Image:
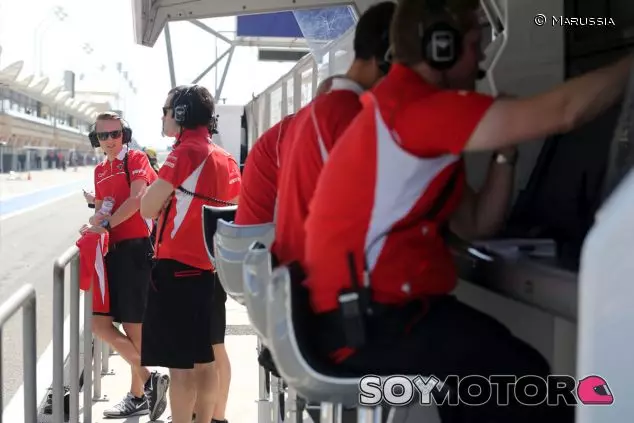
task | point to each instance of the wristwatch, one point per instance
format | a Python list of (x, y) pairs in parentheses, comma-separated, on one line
[(501, 158)]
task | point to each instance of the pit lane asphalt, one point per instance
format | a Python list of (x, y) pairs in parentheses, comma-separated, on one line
[(30, 243)]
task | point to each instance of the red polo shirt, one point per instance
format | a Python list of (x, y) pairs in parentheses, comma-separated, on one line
[(387, 170), (111, 181), (306, 147), (202, 167), (259, 178)]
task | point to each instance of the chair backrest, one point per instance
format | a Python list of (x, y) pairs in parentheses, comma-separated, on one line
[(256, 273), (211, 215), (290, 336), (298, 372), (240, 237), (229, 266)]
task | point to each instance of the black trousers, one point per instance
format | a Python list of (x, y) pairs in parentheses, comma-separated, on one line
[(446, 337)]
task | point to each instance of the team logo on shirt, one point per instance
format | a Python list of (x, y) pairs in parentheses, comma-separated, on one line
[(170, 161), (120, 166)]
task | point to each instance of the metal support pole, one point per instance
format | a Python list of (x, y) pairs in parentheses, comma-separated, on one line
[(1, 374), (29, 354), (276, 390), (210, 67), (105, 358), (170, 56), (315, 79), (213, 32), (370, 415), (88, 356), (23, 299), (74, 340), (96, 370), (327, 412), (58, 343), (264, 405), (224, 73)]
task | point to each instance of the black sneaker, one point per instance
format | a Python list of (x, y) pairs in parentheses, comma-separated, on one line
[(129, 406), (156, 393)]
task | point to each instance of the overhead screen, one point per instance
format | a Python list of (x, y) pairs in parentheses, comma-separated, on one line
[(316, 26), (269, 25)]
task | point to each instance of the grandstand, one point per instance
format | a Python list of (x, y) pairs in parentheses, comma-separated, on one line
[(41, 121)]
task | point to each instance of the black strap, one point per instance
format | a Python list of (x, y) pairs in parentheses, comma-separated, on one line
[(165, 213), (127, 177), (126, 170), (193, 194), (205, 198), (444, 195), (436, 207)]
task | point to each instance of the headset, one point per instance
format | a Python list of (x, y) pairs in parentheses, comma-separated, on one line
[(441, 42), (384, 61), (125, 130), (182, 107)]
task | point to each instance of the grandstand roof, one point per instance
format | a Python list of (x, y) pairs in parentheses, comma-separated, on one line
[(43, 90)]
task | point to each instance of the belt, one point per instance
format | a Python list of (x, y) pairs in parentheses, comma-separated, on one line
[(413, 307), (133, 242)]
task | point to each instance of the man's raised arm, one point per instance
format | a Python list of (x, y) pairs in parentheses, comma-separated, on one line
[(571, 104)]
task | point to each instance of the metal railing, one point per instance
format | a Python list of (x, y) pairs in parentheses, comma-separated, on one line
[(93, 369), (23, 299)]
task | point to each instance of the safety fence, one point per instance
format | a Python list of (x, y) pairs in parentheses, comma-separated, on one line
[(66, 350), (23, 299)]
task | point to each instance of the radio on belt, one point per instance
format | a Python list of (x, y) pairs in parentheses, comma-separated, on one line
[(353, 305)]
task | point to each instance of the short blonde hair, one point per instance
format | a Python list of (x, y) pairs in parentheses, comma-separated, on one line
[(411, 14), (109, 115)]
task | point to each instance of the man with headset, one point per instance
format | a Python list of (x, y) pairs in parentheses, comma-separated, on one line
[(184, 324), (119, 182), (258, 194), (317, 126), (379, 272)]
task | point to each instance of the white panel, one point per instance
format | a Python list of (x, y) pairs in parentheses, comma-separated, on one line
[(276, 106), (606, 314), (526, 59), (307, 86), (289, 96)]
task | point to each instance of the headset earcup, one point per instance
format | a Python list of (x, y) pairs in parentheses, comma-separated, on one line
[(441, 46), (92, 136), (180, 113), (127, 134)]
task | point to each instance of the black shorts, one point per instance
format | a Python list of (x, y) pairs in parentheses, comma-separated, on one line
[(219, 313), (184, 318), (129, 270)]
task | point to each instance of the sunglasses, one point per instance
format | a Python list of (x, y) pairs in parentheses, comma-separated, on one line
[(102, 136), (165, 110)]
